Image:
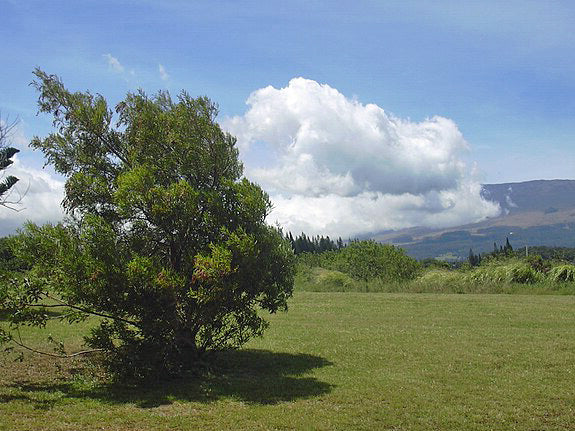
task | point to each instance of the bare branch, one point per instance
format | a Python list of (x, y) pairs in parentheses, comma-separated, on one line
[(6, 128), (54, 355)]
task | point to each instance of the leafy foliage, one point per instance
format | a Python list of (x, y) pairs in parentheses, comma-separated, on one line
[(8, 260), (166, 242)]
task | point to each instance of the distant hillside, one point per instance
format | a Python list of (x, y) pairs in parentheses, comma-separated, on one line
[(545, 196), (540, 212)]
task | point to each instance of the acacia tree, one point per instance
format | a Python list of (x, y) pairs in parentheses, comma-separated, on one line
[(166, 242)]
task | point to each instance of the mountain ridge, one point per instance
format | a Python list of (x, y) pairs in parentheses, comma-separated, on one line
[(535, 212)]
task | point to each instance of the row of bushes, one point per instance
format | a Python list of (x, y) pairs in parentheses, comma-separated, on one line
[(369, 266), (511, 276)]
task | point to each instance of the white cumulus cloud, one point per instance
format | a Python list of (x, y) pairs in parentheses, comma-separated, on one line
[(341, 167)]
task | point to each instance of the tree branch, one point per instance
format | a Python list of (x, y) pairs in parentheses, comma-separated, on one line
[(54, 355), (85, 310)]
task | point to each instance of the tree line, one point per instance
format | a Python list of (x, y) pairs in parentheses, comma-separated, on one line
[(313, 244)]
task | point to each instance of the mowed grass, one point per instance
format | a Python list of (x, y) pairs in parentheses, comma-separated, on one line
[(339, 361)]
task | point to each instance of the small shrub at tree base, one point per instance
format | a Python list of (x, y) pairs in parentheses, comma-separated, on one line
[(166, 243)]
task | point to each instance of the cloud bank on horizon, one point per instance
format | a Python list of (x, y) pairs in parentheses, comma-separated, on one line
[(340, 167)]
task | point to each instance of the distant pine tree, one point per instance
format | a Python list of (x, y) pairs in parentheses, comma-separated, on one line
[(474, 259), (507, 249)]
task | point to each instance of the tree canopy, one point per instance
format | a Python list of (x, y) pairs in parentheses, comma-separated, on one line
[(166, 242)]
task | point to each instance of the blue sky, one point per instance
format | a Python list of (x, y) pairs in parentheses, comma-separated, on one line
[(502, 72)]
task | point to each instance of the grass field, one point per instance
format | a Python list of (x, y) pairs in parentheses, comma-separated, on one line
[(339, 361)]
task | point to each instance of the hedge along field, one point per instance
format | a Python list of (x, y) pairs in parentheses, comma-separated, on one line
[(340, 361), (503, 275)]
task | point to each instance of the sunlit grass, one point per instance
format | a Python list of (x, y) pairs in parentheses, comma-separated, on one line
[(339, 361)]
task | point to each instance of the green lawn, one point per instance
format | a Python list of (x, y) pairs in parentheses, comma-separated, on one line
[(341, 361)]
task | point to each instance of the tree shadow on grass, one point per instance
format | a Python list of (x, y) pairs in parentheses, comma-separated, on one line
[(251, 376)]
